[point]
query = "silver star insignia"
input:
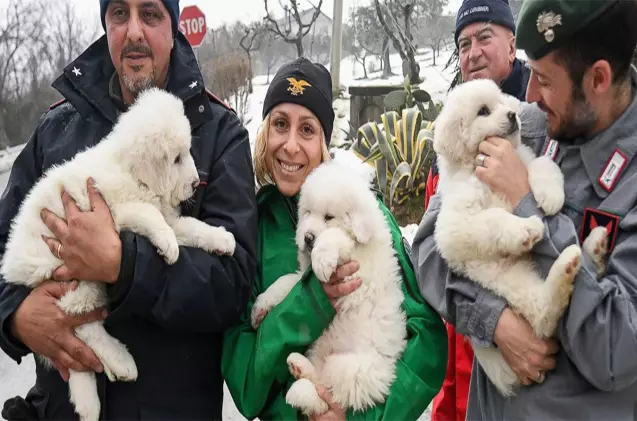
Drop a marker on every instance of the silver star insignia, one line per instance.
(193, 85)
(76, 71)
(545, 23)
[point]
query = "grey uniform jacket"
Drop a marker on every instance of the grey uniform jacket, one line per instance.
(596, 373)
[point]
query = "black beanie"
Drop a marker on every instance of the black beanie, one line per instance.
(304, 83)
(494, 11)
(171, 5)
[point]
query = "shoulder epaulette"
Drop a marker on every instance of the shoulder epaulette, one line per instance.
(55, 104)
(218, 100)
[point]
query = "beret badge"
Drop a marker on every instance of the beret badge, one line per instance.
(545, 23)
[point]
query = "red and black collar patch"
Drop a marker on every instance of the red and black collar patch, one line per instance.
(594, 218)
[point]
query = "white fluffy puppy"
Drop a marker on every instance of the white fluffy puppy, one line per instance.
(476, 231)
(144, 170)
(355, 356)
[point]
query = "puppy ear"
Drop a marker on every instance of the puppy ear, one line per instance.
(150, 164)
(361, 226)
(450, 136)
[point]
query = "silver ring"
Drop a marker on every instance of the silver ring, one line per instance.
(539, 375)
(57, 252)
(480, 159)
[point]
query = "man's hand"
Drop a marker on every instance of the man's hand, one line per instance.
(43, 328)
(337, 287)
(528, 356)
(335, 413)
(503, 170)
(87, 242)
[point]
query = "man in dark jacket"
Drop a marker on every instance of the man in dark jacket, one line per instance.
(171, 318)
(485, 37)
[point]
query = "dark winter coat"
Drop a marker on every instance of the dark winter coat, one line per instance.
(171, 318)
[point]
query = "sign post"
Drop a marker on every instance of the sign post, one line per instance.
(192, 23)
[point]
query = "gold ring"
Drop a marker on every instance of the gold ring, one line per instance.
(57, 252)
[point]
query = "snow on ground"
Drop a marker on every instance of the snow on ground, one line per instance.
(17, 379)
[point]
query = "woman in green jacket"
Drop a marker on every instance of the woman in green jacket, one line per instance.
(291, 142)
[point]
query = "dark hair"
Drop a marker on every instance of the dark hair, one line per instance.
(611, 37)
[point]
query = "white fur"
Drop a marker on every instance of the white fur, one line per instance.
(355, 356)
(144, 170)
(476, 231)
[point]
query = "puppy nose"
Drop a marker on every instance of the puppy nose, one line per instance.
(309, 240)
(195, 184)
(511, 116)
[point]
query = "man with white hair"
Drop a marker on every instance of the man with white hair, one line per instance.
(485, 38)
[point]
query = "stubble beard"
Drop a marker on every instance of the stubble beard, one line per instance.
(580, 118)
(136, 83)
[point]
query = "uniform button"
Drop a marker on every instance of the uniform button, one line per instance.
(201, 108)
(480, 331)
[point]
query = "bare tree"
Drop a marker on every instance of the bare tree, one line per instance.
(68, 35)
(250, 42)
(400, 38)
(291, 28)
(273, 51)
(396, 18)
(229, 77)
(369, 37)
(36, 42)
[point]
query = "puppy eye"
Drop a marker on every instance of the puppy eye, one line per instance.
(328, 217)
(177, 159)
(484, 111)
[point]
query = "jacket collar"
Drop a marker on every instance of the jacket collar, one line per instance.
(515, 83)
(86, 82)
(617, 142)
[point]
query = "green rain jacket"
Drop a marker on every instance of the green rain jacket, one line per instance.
(254, 362)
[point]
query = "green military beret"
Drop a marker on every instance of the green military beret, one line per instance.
(543, 25)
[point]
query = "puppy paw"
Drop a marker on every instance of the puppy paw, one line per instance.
(324, 262)
(260, 309)
(567, 265)
(168, 247)
(524, 235)
(547, 184)
(303, 395)
(534, 231)
(300, 366)
(122, 368)
(224, 242)
(550, 200)
(596, 246)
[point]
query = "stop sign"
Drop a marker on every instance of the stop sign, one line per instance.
(192, 23)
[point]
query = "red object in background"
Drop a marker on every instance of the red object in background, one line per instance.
(450, 404)
(192, 23)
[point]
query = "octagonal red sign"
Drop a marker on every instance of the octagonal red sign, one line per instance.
(192, 23)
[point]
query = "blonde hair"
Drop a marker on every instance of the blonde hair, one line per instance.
(262, 166)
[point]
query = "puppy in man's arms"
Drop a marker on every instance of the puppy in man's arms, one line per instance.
(144, 171)
(478, 234)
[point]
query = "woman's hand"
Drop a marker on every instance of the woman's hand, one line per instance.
(335, 413)
(337, 287)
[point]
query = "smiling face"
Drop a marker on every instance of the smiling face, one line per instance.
(487, 51)
(294, 146)
(140, 39)
(569, 113)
